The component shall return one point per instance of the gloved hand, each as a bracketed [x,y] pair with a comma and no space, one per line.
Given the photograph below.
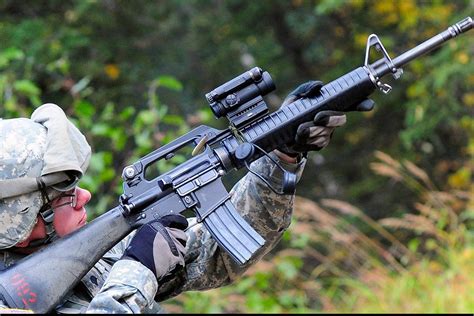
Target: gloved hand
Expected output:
[315,135]
[160,245]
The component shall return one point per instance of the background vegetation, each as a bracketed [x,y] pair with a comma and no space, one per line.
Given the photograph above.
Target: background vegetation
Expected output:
[383,221]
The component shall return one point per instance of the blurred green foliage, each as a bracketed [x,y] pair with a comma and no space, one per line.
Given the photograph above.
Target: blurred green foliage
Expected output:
[133,74]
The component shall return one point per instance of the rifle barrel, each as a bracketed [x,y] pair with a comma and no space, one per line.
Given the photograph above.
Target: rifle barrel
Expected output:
[381,68]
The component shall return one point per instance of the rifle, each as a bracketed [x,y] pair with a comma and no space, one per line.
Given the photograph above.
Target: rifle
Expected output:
[40,281]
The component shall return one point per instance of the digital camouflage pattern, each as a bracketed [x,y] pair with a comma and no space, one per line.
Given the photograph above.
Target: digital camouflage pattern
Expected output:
[129,286]
[45,149]
[136,294]
[22,145]
[207,265]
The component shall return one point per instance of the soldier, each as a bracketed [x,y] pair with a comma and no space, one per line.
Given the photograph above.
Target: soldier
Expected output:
[41,162]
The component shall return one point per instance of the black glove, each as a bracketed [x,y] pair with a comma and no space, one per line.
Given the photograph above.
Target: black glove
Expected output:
[160,245]
[315,135]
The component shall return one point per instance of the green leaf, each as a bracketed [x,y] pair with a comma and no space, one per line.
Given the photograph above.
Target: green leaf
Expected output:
[206,115]
[84,108]
[327,6]
[10,54]
[173,120]
[119,138]
[300,241]
[289,267]
[127,113]
[147,117]
[169,82]
[26,87]
[413,244]
[100,129]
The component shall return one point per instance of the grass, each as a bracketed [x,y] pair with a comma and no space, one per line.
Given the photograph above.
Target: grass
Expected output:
[427,287]
[336,259]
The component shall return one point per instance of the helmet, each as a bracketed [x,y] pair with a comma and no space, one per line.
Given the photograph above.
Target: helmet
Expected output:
[40,156]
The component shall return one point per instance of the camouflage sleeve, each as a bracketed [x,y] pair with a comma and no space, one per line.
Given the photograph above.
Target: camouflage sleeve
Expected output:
[129,288]
[207,266]
[114,285]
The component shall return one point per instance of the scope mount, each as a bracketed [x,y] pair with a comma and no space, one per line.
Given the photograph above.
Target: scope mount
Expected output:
[241,99]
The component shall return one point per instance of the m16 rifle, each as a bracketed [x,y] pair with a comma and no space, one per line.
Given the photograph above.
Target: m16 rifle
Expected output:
[40,281]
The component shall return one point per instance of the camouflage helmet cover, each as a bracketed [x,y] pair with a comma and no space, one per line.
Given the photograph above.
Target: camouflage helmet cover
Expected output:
[23,144]
[24,151]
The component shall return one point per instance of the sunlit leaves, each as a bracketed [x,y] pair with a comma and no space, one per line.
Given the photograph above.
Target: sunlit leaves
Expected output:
[168,82]
[84,109]
[462,178]
[10,54]
[29,89]
[112,71]
[327,6]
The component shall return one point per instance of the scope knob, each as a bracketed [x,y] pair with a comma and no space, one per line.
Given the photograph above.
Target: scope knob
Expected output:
[231,99]
[256,74]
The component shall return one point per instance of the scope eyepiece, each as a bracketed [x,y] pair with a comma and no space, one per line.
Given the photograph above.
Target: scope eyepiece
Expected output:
[240,90]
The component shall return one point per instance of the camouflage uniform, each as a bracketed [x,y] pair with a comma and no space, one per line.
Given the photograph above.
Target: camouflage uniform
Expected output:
[127,286]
